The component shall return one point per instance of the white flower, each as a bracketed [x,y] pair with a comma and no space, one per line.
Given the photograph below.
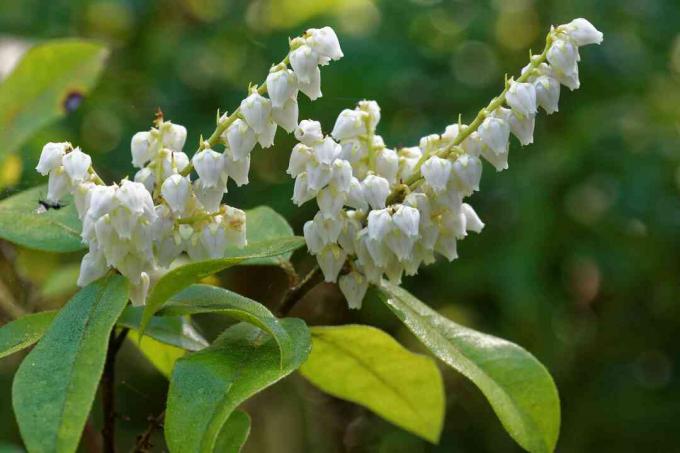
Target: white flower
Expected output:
[326,151]
[304,61]
[436,172]
[237,169]
[563,56]
[76,164]
[318,175]
[582,32]
[301,191]
[81,197]
[521,97]
[102,200]
[142,151]
[373,110]
[210,197]
[309,132]
[146,176]
[387,164]
[407,220]
[466,173]
[176,191]
[331,259]
[134,197]
[355,196]
[286,116]
[547,93]
[139,291]
[312,237]
[330,202]
[92,267]
[51,157]
[174,136]
[523,128]
[282,87]
[328,229]
[172,162]
[241,139]
[312,87]
[379,223]
[266,137]
[447,246]
[375,190]
[472,220]
[350,124]
[213,238]
[495,134]
[234,221]
[256,110]
[58,185]
[341,176]
[353,287]
[299,157]
[208,164]
[325,42]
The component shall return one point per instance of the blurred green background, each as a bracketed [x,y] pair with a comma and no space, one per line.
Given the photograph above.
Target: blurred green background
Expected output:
[579,261]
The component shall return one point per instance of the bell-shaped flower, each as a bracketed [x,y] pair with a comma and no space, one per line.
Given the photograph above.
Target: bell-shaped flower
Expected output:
[582,32]
[355,196]
[312,87]
[140,291]
[318,175]
[174,136]
[329,229]
[309,132]
[523,128]
[281,87]
[172,162]
[350,124]
[256,110]
[373,110]
[237,169]
[141,148]
[210,197]
[353,287]
[387,164]
[331,259]
[312,237]
[547,93]
[330,202]
[77,165]
[341,176]
[266,137]
[304,61]
[436,172]
[326,151]
[447,245]
[241,139]
[301,191]
[466,173]
[521,97]
[213,238]
[299,157]
[407,220]
[379,223]
[134,197]
[51,157]
[495,133]
[176,191]
[234,221]
[286,115]
[325,42]
[92,267]
[147,177]
[472,220]
[563,57]
[208,164]
[58,185]
[376,189]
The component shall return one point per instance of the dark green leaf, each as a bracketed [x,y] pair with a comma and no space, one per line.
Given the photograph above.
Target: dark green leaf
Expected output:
[265,224]
[211,299]
[182,276]
[208,385]
[175,331]
[55,230]
[56,383]
[365,365]
[23,332]
[234,433]
[519,389]
[35,93]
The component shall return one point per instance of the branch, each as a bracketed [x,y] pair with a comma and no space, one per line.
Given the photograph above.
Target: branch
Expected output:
[108,391]
[144,444]
[296,293]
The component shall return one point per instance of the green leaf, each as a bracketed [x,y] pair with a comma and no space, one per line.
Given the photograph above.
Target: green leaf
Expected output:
[55,230]
[198,299]
[365,365]
[23,332]
[174,331]
[55,385]
[34,94]
[182,276]
[265,224]
[234,433]
[208,385]
[161,355]
[518,387]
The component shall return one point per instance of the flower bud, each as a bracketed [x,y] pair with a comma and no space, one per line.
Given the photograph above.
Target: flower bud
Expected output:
[210,197]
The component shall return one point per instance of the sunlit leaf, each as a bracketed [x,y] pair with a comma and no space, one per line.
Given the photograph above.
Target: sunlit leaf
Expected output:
[365,365]
[55,230]
[161,355]
[519,389]
[23,332]
[208,385]
[56,383]
[47,82]
[174,331]
[182,276]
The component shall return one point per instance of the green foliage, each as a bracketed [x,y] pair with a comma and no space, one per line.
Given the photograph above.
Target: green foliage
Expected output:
[208,385]
[365,365]
[234,433]
[263,224]
[161,355]
[175,331]
[519,389]
[35,93]
[210,299]
[56,230]
[56,383]
[23,332]
[182,276]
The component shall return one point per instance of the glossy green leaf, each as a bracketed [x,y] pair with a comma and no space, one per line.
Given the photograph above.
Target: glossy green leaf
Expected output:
[55,230]
[518,387]
[208,385]
[198,299]
[55,385]
[182,276]
[380,374]
[23,332]
[161,355]
[265,224]
[34,94]
[175,331]
[234,433]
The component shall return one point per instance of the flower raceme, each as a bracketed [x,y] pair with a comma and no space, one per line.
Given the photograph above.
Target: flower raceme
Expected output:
[386,212]
[140,227]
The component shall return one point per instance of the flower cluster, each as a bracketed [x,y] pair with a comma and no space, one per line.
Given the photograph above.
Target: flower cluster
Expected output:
[140,227]
[387,212]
